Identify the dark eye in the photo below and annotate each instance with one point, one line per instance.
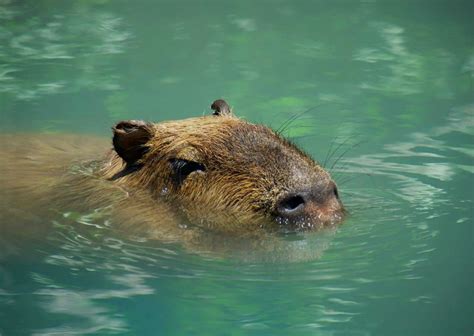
(182, 168)
(336, 193)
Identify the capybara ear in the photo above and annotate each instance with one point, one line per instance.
(221, 108)
(130, 138)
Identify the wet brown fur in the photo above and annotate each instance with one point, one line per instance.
(248, 168)
(244, 164)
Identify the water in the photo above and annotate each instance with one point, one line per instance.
(388, 84)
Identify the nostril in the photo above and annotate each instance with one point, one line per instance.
(291, 204)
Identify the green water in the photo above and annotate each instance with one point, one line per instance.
(388, 86)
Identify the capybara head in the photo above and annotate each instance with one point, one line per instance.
(225, 174)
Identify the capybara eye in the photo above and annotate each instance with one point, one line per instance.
(336, 193)
(182, 168)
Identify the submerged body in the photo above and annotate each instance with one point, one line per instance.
(174, 181)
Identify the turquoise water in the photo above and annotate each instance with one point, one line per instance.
(388, 86)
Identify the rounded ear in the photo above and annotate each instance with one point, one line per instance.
(221, 108)
(130, 138)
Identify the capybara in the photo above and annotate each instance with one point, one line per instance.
(173, 180)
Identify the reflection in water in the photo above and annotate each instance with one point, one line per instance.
(86, 305)
(420, 186)
(414, 187)
(404, 67)
(469, 66)
(90, 270)
(120, 278)
(396, 69)
(245, 24)
(94, 318)
(80, 42)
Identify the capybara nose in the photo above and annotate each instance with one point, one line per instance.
(291, 205)
(317, 205)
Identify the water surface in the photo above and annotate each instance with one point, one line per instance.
(388, 92)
